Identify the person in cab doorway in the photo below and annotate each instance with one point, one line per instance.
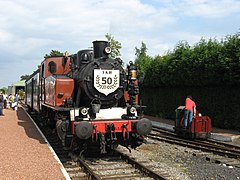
(189, 111)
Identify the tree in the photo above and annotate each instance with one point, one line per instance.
(142, 60)
(115, 46)
(24, 77)
(142, 51)
(208, 63)
(54, 53)
(3, 90)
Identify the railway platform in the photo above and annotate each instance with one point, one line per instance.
(24, 152)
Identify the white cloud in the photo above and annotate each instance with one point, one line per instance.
(30, 29)
(5, 36)
(209, 9)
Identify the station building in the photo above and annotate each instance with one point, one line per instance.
(16, 87)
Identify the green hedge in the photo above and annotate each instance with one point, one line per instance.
(208, 63)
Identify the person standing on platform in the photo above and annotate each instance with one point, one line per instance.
(1, 104)
(16, 99)
(11, 100)
(189, 111)
(5, 100)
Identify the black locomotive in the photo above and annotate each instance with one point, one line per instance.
(89, 99)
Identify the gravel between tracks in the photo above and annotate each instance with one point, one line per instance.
(181, 164)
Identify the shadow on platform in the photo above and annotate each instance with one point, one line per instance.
(29, 127)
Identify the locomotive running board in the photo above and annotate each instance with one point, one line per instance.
(57, 108)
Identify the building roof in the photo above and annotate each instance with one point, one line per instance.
(19, 83)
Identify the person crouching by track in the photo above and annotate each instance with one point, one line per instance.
(189, 111)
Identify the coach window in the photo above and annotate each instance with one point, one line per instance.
(52, 67)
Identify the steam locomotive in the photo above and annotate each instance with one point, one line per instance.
(89, 99)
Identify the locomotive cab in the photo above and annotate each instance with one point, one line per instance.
(199, 128)
(82, 57)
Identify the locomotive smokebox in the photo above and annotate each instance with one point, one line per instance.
(101, 49)
(144, 126)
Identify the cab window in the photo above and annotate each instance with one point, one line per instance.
(52, 67)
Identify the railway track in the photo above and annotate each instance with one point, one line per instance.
(116, 165)
(230, 154)
(120, 166)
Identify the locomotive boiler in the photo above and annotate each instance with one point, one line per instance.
(89, 99)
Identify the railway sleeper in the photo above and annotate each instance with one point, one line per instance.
(121, 176)
(105, 168)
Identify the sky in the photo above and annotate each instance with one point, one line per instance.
(31, 29)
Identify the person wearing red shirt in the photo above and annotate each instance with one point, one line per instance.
(189, 111)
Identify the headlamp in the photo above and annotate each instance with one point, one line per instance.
(133, 110)
(108, 50)
(84, 111)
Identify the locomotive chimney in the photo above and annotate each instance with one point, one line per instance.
(101, 49)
